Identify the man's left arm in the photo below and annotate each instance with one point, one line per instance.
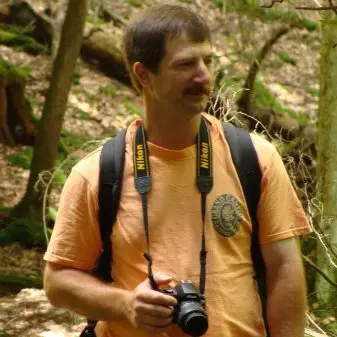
(286, 304)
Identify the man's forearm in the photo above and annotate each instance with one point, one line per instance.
(286, 305)
(82, 293)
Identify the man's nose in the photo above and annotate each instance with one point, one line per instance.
(203, 73)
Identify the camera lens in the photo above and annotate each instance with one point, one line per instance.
(192, 319)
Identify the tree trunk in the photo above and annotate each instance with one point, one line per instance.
(45, 150)
(16, 125)
(245, 101)
(327, 162)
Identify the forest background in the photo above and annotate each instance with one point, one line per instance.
(64, 89)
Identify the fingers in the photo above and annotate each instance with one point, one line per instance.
(155, 297)
(157, 311)
(149, 309)
(151, 317)
(161, 278)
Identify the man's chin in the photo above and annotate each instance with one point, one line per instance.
(196, 103)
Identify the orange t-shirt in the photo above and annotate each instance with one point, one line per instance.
(175, 225)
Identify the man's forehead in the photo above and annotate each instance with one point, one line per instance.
(181, 46)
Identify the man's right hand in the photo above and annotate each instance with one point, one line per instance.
(151, 310)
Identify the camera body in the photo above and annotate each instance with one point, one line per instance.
(190, 313)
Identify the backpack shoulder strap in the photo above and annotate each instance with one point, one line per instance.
(246, 162)
(247, 166)
(111, 168)
(110, 182)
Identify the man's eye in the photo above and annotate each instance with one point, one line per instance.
(186, 64)
(208, 61)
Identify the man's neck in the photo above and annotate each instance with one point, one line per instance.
(171, 133)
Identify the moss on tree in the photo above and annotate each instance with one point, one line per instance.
(20, 41)
(8, 69)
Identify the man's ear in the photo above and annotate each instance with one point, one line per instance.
(142, 74)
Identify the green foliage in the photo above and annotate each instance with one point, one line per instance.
(232, 84)
(69, 142)
(75, 79)
(219, 3)
(310, 39)
(266, 98)
(22, 160)
(81, 114)
(312, 91)
(20, 42)
(131, 108)
(8, 69)
(134, 3)
(331, 328)
(96, 20)
(326, 319)
(252, 9)
(285, 57)
(276, 64)
(4, 334)
(4, 209)
(25, 231)
(32, 103)
(310, 25)
(60, 177)
(108, 89)
(52, 212)
(274, 14)
(263, 95)
(186, 1)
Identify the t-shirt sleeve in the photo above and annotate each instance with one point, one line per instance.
(280, 213)
(75, 241)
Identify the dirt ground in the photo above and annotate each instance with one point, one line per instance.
(28, 314)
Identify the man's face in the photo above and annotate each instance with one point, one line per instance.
(184, 78)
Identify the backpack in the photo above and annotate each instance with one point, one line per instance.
(112, 161)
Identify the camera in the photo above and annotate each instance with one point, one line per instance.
(190, 312)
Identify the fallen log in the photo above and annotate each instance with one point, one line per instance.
(102, 48)
(37, 25)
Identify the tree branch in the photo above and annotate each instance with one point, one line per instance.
(244, 102)
(319, 271)
(272, 3)
(333, 7)
(306, 8)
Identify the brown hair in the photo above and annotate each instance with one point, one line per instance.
(145, 37)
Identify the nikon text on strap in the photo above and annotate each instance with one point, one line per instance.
(204, 181)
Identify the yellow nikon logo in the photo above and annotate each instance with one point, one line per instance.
(140, 157)
(204, 156)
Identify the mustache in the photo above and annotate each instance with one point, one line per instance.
(197, 90)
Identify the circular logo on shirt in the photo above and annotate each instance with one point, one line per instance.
(226, 215)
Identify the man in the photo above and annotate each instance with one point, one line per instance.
(169, 55)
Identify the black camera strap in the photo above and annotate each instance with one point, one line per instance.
(143, 185)
(204, 182)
